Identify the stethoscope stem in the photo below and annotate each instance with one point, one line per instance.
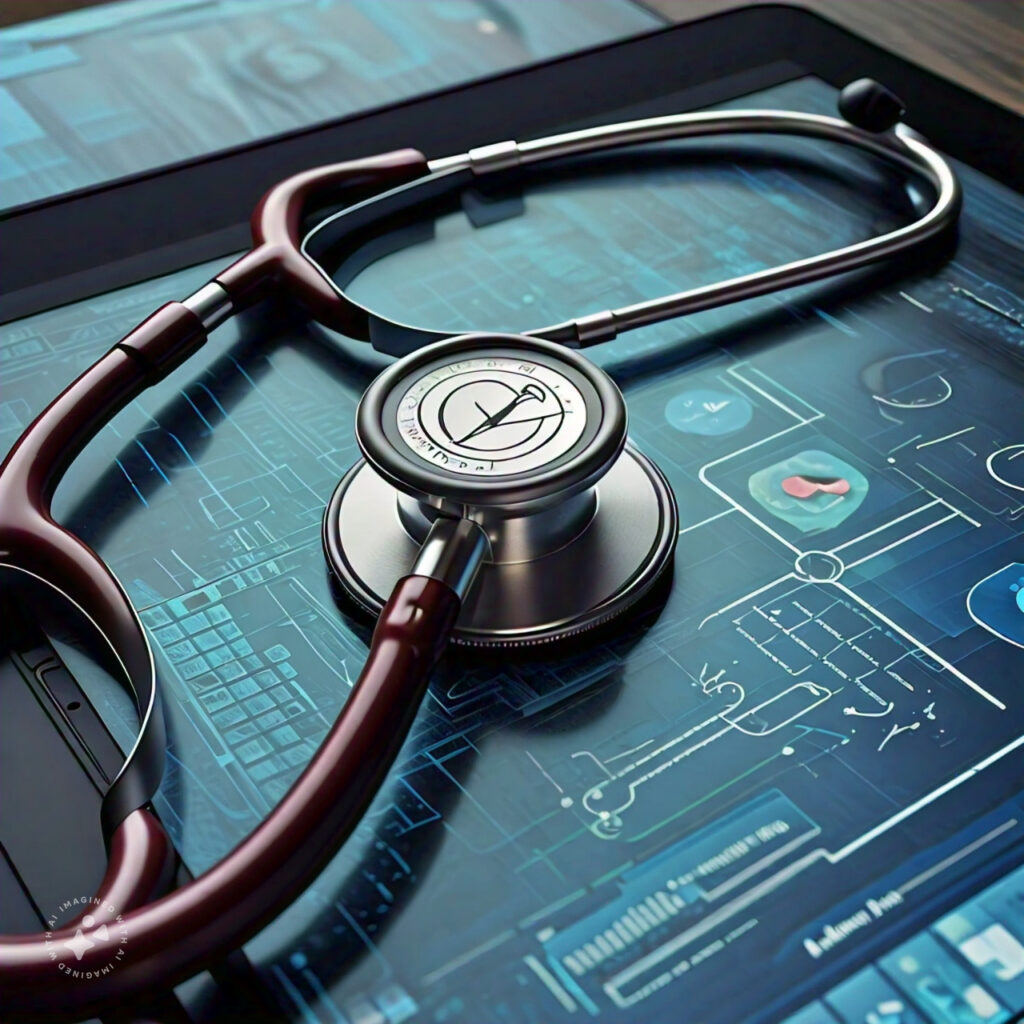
(452, 553)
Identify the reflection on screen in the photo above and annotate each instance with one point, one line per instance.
(114, 89)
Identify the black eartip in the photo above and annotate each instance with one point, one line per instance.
(867, 104)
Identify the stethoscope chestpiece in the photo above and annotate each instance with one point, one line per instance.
(494, 422)
(527, 439)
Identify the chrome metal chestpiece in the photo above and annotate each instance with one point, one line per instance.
(527, 440)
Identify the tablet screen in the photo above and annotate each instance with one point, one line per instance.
(794, 789)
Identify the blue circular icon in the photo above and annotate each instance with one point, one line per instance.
(708, 412)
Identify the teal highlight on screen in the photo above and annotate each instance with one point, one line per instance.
(967, 968)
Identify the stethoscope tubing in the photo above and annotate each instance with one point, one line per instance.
(264, 873)
(178, 934)
(34, 545)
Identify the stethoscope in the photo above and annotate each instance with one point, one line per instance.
(499, 503)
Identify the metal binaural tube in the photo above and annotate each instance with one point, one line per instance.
(898, 148)
(502, 155)
(453, 551)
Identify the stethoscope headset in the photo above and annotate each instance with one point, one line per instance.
(499, 504)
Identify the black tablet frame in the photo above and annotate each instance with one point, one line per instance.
(114, 234)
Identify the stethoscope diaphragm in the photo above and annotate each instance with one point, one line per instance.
(528, 440)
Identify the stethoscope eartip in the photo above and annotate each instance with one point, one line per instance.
(868, 104)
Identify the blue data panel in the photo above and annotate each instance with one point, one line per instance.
(781, 795)
(118, 88)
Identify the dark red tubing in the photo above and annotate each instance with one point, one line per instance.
(32, 543)
(277, 229)
(198, 924)
(193, 926)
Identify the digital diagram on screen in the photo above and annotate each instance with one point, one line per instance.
(790, 791)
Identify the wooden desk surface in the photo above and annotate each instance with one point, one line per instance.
(977, 43)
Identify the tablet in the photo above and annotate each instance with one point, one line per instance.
(791, 792)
